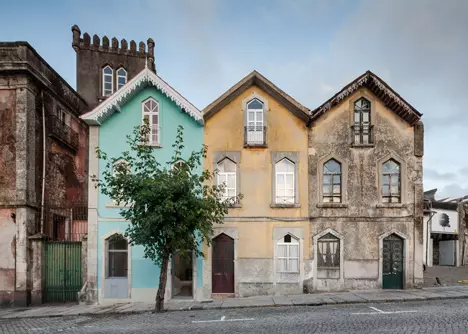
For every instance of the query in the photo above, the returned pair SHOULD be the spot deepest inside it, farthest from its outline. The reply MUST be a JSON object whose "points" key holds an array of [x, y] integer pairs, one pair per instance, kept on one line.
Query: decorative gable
{"points": [[145, 78]]}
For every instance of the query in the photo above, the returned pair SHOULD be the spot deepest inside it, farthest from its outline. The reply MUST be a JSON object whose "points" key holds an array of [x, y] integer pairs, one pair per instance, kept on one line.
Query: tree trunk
{"points": [[162, 283]]}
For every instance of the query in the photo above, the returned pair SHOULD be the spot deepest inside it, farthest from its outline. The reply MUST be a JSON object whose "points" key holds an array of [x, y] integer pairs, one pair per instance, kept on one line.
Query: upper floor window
{"points": [[328, 252], [391, 182], [151, 115], [107, 81], [362, 128], [255, 127], [285, 182], [331, 182], [121, 77], [288, 254], [227, 176]]}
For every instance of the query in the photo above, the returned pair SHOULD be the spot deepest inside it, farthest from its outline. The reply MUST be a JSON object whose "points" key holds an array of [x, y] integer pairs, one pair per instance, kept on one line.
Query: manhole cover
{"points": [[463, 281]]}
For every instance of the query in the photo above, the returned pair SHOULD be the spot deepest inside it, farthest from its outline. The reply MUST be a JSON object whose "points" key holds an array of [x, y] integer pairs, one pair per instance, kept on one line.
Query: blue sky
{"points": [[310, 49]]}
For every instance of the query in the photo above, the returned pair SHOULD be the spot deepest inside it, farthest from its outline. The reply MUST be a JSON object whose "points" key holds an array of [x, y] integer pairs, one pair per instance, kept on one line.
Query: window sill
{"points": [[255, 145], [390, 205], [151, 145], [234, 206], [115, 205], [332, 205], [328, 268], [276, 205], [362, 145]]}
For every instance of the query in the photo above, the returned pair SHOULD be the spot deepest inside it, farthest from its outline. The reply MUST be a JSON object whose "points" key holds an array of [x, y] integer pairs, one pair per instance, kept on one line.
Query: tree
{"points": [[171, 207]]}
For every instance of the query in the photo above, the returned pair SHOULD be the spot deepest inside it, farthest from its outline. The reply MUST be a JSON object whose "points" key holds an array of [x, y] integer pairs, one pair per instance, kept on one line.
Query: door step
{"points": [[222, 295]]}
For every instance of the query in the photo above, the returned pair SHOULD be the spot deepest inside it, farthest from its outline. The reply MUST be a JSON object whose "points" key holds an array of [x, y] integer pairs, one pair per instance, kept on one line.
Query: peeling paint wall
{"points": [[362, 217]]}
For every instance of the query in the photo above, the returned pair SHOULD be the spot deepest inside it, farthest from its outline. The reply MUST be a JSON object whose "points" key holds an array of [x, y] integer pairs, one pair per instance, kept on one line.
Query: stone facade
{"points": [[29, 88], [361, 220], [93, 56]]}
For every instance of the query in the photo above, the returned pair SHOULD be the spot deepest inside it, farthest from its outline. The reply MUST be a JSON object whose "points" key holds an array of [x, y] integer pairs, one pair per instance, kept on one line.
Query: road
{"points": [[448, 316]]}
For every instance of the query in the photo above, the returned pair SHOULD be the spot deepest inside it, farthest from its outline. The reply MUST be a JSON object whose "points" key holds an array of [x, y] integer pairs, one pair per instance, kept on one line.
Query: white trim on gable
{"points": [[145, 78]]}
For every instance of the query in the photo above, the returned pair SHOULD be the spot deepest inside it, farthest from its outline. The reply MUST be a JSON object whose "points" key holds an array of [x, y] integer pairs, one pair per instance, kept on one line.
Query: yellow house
{"points": [[257, 138]]}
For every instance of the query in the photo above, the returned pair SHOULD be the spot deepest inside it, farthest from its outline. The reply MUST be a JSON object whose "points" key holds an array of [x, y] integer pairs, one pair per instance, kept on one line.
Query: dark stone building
{"points": [[43, 162], [102, 67]]}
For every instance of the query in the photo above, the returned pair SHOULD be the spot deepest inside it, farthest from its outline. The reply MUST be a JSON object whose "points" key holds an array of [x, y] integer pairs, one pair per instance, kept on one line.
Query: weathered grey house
{"points": [[43, 153], [365, 188]]}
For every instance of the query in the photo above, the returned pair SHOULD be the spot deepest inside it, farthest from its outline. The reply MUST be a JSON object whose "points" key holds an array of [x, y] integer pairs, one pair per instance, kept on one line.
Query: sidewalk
{"points": [[350, 297]]}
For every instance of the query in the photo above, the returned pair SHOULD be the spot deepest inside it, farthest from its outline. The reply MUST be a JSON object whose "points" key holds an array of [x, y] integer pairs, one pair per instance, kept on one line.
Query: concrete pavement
{"points": [[348, 297]]}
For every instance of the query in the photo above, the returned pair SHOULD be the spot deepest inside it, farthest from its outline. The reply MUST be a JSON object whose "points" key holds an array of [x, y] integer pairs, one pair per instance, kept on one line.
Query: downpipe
{"points": [[44, 149]]}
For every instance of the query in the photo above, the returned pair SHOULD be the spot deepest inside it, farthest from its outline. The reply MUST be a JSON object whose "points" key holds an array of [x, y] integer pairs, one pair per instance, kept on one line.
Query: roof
{"points": [[256, 79], [381, 89], [143, 79]]}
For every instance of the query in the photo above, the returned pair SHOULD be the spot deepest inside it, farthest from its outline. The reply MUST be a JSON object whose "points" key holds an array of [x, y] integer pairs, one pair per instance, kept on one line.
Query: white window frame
{"points": [[108, 274], [121, 76], [294, 243], [278, 196], [152, 126], [225, 176], [104, 75], [255, 136]]}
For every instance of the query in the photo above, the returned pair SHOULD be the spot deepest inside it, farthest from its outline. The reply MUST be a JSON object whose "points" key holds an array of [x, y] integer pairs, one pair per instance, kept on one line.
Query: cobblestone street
{"points": [[449, 316]]}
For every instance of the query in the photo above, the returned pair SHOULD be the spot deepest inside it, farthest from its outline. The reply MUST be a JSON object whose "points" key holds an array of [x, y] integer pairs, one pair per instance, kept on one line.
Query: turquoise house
{"points": [[118, 272]]}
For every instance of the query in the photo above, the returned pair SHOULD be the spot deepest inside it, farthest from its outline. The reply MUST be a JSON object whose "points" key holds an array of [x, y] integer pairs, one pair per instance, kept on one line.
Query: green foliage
{"points": [[171, 206]]}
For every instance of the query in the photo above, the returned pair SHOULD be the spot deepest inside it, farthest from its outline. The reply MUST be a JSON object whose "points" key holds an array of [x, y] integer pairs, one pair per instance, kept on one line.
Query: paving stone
{"points": [[282, 300]]}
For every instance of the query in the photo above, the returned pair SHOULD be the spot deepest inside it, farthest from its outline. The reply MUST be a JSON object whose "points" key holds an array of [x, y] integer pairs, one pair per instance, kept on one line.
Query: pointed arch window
{"points": [[331, 191], [391, 182], [121, 77], [287, 254], [227, 175], [362, 128], [107, 81], [328, 252], [255, 127], [285, 182], [151, 115]]}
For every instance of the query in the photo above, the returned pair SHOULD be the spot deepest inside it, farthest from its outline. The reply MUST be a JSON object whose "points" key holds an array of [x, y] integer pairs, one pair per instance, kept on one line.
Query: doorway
{"points": [[182, 275], [392, 264], [223, 264]]}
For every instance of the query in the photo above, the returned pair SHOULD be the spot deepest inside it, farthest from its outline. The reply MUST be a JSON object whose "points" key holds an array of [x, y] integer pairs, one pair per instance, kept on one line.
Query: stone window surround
{"points": [[315, 254], [403, 181], [245, 101], [406, 255], [236, 158], [104, 254], [362, 94], [294, 241], [298, 234], [344, 182], [275, 158]]}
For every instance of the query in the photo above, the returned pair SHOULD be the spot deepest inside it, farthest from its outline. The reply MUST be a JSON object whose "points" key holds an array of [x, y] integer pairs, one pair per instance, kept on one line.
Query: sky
{"points": [[310, 49]]}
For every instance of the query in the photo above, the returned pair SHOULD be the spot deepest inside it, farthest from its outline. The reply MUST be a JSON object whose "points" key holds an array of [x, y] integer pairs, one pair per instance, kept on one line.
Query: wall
{"points": [[112, 140], [258, 223], [362, 218]]}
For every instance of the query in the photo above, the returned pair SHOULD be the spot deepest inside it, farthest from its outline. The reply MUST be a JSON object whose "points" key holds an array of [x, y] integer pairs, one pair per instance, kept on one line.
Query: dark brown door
{"points": [[223, 264]]}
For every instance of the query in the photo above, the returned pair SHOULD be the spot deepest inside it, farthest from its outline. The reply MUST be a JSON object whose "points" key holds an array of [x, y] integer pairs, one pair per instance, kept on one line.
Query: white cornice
{"points": [[146, 77]]}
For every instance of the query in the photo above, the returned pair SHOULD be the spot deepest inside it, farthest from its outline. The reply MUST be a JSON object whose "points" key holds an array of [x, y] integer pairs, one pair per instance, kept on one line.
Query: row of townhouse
{"points": [[332, 197]]}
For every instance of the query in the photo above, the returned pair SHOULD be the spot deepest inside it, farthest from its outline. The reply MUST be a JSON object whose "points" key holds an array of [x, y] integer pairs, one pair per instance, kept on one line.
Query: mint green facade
{"points": [[112, 140]]}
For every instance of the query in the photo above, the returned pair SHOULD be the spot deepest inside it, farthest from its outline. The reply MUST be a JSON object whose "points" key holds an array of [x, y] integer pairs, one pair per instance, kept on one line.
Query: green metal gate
{"points": [[63, 278]]}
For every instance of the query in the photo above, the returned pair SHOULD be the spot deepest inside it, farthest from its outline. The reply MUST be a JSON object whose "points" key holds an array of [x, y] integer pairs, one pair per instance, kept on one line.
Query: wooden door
{"points": [[223, 264], [392, 275]]}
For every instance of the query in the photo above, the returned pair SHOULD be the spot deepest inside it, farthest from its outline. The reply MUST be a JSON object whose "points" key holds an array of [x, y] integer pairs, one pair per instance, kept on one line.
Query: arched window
{"points": [[362, 122], [331, 191], [288, 254], [107, 81], [117, 254], [328, 252], [227, 175], [121, 77], [391, 185], [255, 123], [285, 178], [151, 114]]}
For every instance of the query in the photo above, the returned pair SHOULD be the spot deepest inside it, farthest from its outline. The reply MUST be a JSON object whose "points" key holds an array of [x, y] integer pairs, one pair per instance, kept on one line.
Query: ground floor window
{"points": [[288, 254]]}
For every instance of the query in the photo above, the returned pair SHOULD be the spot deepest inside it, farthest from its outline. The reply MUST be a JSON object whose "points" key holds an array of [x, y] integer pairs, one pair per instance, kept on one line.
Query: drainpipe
{"points": [[43, 161], [428, 235]]}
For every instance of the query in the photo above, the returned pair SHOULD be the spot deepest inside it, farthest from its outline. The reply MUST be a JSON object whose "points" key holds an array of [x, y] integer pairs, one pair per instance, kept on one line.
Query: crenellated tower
{"points": [[102, 67]]}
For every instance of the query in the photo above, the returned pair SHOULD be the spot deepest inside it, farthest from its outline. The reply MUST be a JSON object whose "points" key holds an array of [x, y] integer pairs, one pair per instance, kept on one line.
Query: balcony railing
{"points": [[255, 136], [362, 134], [60, 130]]}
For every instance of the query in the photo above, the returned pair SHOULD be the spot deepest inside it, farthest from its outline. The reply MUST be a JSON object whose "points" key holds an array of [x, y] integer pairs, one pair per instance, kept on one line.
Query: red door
{"points": [[223, 264]]}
